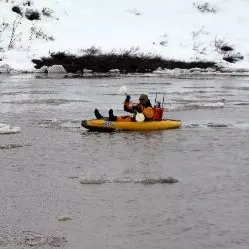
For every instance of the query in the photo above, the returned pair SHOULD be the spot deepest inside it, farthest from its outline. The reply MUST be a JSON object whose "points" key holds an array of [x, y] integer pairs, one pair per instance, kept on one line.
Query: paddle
{"points": [[163, 99], [123, 90], [138, 116]]}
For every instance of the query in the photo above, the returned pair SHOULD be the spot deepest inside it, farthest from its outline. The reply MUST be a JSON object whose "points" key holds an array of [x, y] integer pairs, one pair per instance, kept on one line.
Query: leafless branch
{"points": [[14, 35]]}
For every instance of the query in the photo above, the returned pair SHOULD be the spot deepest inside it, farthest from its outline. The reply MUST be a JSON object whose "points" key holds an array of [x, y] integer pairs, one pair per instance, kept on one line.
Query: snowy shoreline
{"points": [[64, 65], [193, 72], [175, 30]]}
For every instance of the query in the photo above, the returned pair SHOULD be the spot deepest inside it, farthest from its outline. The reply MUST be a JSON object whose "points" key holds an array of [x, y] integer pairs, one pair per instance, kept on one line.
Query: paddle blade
{"points": [[123, 89]]}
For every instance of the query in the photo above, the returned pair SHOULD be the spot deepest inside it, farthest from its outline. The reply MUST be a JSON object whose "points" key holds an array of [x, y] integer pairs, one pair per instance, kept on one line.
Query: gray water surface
{"points": [[64, 187]]}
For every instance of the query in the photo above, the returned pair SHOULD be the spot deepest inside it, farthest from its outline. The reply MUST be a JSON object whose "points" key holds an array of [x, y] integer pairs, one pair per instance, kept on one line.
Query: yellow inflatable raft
{"points": [[103, 125]]}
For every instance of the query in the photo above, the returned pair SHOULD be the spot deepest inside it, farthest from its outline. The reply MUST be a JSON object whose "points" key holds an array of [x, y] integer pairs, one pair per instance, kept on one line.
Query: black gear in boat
{"points": [[97, 114]]}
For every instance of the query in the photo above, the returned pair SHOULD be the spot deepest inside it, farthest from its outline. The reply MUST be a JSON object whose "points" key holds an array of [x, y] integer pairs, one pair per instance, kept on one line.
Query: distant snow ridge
{"points": [[7, 129]]}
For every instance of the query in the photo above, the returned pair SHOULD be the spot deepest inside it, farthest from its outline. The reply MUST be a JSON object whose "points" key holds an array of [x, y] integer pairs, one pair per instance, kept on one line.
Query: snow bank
{"points": [[180, 29], [225, 71], [57, 69], [17, 61]]}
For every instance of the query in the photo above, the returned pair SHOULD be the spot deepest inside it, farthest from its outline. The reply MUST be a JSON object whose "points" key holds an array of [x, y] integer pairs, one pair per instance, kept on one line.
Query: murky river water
{"points": [[62, 186]]}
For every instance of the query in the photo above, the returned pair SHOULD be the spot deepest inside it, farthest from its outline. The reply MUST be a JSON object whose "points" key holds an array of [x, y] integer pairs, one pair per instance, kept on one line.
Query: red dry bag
{"points": [[158, 114]]}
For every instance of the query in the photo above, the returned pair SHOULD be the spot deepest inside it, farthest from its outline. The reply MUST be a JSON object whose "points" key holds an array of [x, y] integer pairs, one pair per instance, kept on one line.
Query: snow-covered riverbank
{"points": [[185, 30]]}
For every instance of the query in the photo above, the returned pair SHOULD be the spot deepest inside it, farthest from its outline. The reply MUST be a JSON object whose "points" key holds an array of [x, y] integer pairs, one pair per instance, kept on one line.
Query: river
{"points": [[64, 187]]}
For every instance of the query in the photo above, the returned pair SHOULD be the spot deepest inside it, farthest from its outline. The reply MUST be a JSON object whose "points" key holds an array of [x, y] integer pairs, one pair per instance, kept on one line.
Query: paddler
{"points": [[144, 106]]}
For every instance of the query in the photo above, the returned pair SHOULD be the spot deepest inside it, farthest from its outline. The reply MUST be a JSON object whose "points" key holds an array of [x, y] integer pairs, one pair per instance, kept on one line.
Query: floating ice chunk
{"points": [[43, 69], [7, 129]]}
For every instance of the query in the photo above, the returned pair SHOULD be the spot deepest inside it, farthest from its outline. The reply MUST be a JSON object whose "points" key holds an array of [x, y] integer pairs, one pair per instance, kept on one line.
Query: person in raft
{"points": [[144, 106]]}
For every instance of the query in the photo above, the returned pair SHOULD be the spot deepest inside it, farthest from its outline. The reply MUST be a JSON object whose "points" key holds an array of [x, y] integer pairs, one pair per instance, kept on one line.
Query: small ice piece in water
{"points": [[7, 129]]}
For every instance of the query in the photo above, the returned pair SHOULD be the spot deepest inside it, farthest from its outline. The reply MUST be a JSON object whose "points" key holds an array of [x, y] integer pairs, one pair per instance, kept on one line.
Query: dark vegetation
{"points": [[17, 10], [47, 12], [222, 47], [232, 58], [226, 48], [227, 51], [32, 15], [128, 61]]}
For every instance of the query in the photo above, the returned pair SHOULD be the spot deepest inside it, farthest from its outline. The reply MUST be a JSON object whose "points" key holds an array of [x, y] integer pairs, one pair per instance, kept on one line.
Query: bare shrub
{"points": [[38, 34], [164, 40], [221, 46], [3, 26], [198, 46], [47, 12], [205, 7], [134, 12], [14, 35], [133, 51], [163, 43], [199, 32], [92, 51], [227, 51], [50, 38], [232, 58]]}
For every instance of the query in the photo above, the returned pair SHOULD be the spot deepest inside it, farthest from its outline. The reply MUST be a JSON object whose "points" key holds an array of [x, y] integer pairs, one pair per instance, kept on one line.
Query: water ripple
{"points": [[148, 181], [46, 101], [12, 146], [196, 106], [32, 239]]}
